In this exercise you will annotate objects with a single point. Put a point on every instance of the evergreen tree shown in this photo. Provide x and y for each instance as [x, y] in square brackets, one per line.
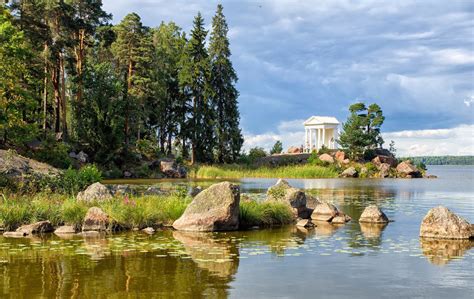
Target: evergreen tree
[223, 92]
[127, 50]
[277, 148]
[361, 131]
[194, 79]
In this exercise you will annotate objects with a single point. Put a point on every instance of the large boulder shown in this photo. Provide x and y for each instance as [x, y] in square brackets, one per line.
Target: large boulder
[350, 172]
[324, 212]
[406, 169]
[214, 209]
[380, 159]
[17, 167]
[96, 191]
[326, 158]
[282, 191]
[340, 156]
[441, 223]
[96, 220]
[172, 170]
[372, 214]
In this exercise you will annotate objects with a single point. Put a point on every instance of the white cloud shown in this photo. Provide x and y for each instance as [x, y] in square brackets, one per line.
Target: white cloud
[454, 141]
[469, 101]
[290, 133]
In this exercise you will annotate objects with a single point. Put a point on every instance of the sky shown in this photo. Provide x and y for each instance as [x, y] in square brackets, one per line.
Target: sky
[295, 59]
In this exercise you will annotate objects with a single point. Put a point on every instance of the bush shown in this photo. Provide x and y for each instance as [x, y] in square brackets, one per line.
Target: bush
[324, 150]
[54, 153]
[73, 181]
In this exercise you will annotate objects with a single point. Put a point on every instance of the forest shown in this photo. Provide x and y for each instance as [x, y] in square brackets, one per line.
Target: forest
[73, 81]
[443, 160]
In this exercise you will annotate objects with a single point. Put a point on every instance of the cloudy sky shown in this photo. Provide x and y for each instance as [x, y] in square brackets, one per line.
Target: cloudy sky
[295, 59]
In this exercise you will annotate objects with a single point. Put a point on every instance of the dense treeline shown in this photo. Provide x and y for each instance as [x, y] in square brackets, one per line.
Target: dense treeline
[70, 79]
[443, 160]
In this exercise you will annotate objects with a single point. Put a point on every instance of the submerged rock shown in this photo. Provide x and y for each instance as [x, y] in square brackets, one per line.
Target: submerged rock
[341, 218]
[96, 191]
[306, 223]
[36, 228]
[441, 223]
[149, 230]
[66, 229]
[372, 214]
[96, 220]
[324, 212]
[214, 209]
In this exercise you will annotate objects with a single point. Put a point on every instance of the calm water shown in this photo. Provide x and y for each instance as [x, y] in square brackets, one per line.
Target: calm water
[288, 262]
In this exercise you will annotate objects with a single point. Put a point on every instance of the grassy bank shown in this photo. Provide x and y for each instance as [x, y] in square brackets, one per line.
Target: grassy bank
[305, 171]
[125, 213]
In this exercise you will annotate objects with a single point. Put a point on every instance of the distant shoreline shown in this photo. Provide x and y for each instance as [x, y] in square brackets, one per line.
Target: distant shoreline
[442, 160]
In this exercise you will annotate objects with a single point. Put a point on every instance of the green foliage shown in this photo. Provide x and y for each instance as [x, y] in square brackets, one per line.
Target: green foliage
[277, 148]
[54, 153]
[256, 153]
[254, 213]
[73, 212]
[324, 150]
[361, 131]
[314, 160]
[223, 92]
[73, 181]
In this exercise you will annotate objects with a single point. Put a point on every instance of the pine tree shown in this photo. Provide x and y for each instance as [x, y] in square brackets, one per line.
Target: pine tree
[194, 79]
[224, 94]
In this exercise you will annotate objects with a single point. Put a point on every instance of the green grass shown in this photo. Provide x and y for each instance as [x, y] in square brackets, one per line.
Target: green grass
[254, 213]
[306, 171]
[135, 212]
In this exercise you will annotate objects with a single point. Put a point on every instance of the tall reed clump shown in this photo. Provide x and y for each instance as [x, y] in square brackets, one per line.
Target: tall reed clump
[253, 213]
[306, 171]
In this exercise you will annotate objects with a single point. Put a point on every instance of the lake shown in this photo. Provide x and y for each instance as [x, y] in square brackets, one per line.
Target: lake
[287, 262]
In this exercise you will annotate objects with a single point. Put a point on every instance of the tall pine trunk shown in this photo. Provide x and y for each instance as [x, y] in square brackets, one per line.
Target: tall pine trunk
[63, 97]
[45, 87]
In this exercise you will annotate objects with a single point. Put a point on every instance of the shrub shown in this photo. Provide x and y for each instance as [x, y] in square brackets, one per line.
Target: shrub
[324, 150]
[73, 181]
[256, 153]
[73, 212]
[54, 153]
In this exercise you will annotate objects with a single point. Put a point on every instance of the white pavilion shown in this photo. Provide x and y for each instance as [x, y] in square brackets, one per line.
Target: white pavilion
[319, 131]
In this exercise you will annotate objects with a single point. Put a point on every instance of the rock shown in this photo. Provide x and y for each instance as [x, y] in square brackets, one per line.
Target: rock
[406, 169]
[431, 176]
[326, 158]
[372, 214]
[66, 229]
[381, 159]
[16, 167]
[312, 201]
[303, 212]
[282, 191]
[149, 230]
[324, 212]
[127, 174]
[384, 170]
[95, 220]
[82, 157]
[72, 155]
[14, 234]
[341, 218]
[340, 156]
[154, 191]
[214, 209]
[305, 223]
[441, 223]
[195, 191]
[36, 228]
[96, 191]
[172, 170]
[294, 150]
[346, 161]
[120, 190]
[350, 172]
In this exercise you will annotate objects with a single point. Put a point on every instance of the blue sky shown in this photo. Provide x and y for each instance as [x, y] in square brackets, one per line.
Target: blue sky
[295, 59]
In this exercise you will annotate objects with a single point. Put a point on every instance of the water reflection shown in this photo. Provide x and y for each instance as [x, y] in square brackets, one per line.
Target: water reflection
[441, 252]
